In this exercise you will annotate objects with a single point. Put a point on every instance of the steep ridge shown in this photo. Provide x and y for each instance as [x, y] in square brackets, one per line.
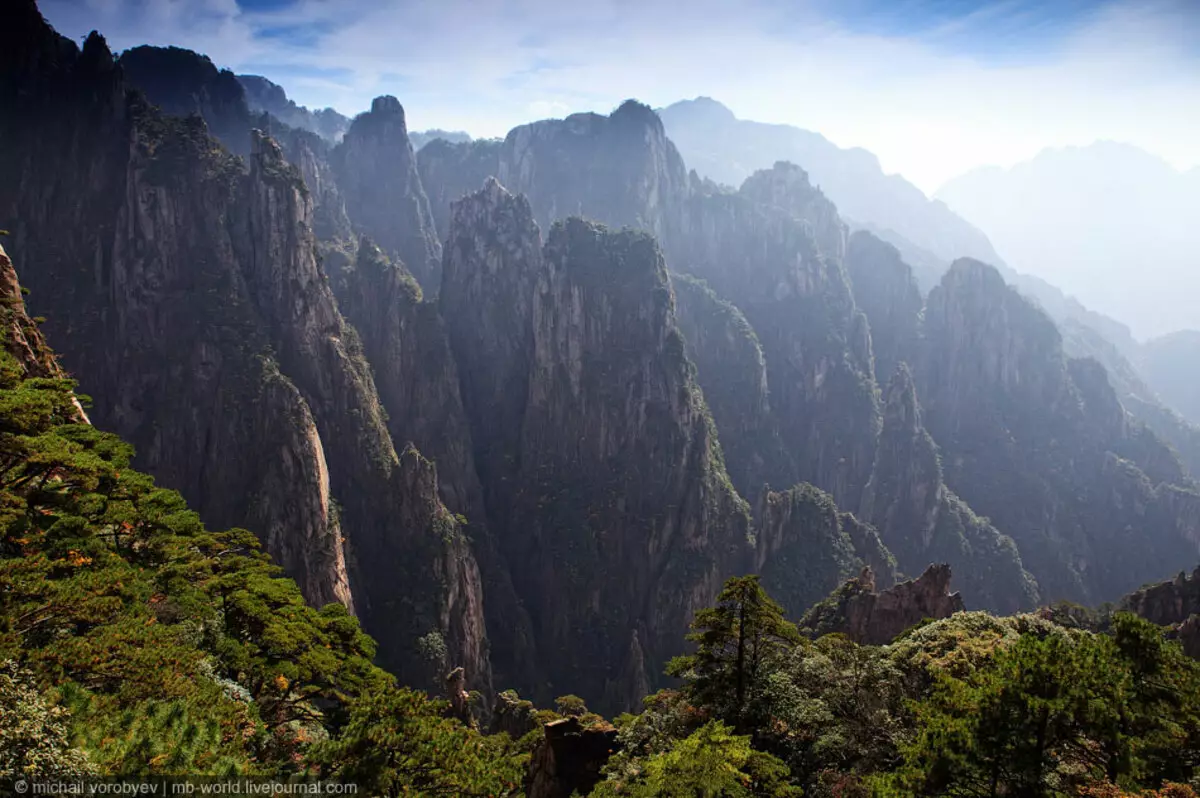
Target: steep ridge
[1042, 445]
[1086, 334]
[815, 340]
[805, 547]
[732, 371]
[451, 170]
[188, 299]
[264, 96]
[182, 82]
[754, 248]
[22, 337]
[921, 521]
[377, 175]
[366, 184]
[886, 291]
[600, 463]
[618, 169]
[407, 345]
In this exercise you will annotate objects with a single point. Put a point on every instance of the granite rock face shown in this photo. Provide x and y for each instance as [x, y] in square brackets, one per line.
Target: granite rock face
[451, 170]
[377, 175]
[1041, 445]
[805, 547]
[620, 169]
[922, 521]
[569, 759]
[815, 340]
[732, 371]
[188, 299]
[886, 291]
[872, 617]
[600, 464]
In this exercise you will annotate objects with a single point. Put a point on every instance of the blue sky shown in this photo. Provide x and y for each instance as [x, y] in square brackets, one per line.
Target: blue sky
[933, 87]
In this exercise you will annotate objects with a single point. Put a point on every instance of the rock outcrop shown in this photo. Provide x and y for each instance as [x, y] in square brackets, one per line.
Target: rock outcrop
[874, 618]
[569, 759]
[377, 174]
[786, 187]
[1174, 604]
[922, 521]
[601, 467]
[21, 337]
[187, 297]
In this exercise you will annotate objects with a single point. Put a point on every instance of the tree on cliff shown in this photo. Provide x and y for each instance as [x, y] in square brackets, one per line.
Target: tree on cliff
[738, 641]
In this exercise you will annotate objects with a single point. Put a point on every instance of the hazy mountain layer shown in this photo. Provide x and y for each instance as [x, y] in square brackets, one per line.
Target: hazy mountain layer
[720, 146]
[263, 96]
[1109, 223]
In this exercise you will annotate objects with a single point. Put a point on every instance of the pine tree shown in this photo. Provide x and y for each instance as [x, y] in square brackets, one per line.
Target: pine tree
[737, 641]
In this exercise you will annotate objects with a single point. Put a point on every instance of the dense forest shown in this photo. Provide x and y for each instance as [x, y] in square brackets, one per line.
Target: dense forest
[545, 466]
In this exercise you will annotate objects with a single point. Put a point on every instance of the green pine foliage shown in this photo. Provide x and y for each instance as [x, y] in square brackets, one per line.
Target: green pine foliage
[137, 642]
[971, 705]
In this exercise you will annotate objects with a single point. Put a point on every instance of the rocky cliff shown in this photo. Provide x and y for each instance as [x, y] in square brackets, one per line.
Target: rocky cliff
[1175, 604]
[600, 463]
[887, 292]
[21, 336]
[814, 339]
[922, 521]
[451, 170]
[188, 299]
[871, 617]
[732, 371]
[786, 187]
[805, 547]
[1042, 446]
[620, 169]
[377, 175]
[181, 83]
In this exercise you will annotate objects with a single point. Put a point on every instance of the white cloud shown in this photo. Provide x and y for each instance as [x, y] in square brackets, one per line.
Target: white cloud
[1130, 73]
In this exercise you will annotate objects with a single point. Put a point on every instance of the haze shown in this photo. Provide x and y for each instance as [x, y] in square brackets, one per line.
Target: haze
[933, 89]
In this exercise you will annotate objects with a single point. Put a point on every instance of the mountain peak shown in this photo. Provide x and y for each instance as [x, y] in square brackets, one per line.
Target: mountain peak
[387, 104]
[704, 109]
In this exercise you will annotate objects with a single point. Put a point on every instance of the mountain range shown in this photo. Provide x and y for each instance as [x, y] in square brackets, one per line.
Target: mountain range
[523, 405]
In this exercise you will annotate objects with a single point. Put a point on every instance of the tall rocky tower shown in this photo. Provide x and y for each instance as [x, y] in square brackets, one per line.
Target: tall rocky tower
[377, 173]
[600, 462]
